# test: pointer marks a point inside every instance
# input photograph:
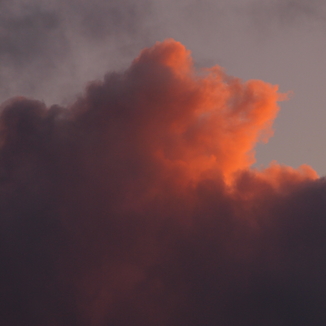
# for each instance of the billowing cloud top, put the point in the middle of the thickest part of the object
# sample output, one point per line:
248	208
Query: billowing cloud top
137	205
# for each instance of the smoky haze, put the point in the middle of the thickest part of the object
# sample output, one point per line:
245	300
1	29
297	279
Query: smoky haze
137	204
50	49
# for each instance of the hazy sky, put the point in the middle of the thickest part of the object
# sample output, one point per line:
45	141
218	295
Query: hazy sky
51	49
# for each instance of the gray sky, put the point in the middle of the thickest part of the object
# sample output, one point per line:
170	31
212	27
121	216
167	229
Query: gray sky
51	49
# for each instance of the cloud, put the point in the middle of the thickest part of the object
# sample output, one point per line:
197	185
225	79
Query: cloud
137	204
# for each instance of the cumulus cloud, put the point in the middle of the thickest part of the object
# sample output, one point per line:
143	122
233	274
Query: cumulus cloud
138	205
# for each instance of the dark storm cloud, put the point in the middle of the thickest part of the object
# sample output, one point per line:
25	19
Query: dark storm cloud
121	209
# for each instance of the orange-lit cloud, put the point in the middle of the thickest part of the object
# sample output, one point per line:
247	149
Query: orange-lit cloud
138	205
197	122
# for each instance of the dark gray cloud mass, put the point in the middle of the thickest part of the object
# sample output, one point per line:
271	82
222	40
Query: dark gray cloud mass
105	219
110	210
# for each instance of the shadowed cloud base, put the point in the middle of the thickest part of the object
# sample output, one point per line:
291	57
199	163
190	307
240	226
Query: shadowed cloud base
137	205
